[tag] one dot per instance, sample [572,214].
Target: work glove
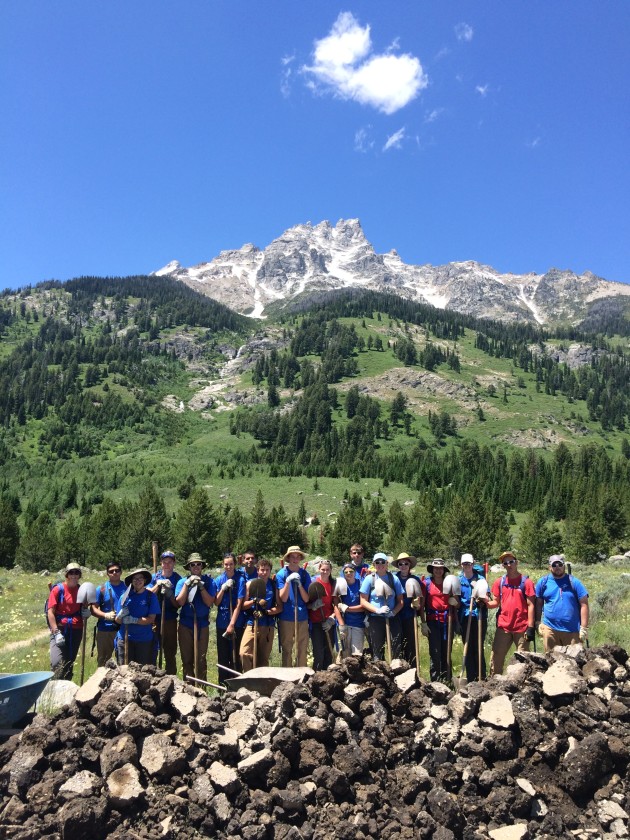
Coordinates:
[110,616]
[343,632]
[424,629]
[262,603]
[416,603]
[193,580]
[120,615]
[384,611]
[530,634]
[130,619]
[59,639]
[86,612]
[453,601]
[229,583]
[328,624]
[294,576]
[342,608]
[316,604]
[258,614]
[166,585]
[583,634]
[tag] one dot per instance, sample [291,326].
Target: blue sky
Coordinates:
[133,133]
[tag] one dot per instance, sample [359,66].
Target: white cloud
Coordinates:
[482,90]
[433,115]
[286,75]
[362,139]
[344,65]
[464,32]
[395,140]
[533,144]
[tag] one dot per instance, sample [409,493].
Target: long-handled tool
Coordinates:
[162,619]
[121,604]
[85,596]
[388,642]
[413,590]
[191,598]
[462,681]
[231,608]
[295,622]
[154,552]
[317,592]
[452,588]
[257,591]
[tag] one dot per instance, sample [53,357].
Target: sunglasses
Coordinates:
[557,565]
[114,571]
[380,562]
[195,564]
[403,564]
[75,573]
[354,551]
[509,562]
[348,571]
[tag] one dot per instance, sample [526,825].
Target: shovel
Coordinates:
[121,604]
[295,621]
[162,628]
[413,591]
[462,681]
[257,590]
[86,595]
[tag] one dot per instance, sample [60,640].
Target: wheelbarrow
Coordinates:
[18,692]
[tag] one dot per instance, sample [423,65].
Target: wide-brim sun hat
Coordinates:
[505,554]
[72,567]
[293,549]
[437,563]
[146,574]
[195,557]
[404,556]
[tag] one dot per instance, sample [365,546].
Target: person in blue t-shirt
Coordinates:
[260,617]
[349,612]
[230,594]
[293,583]
[472,622]
[195,595]
[163,583]
[382,596]
[136,617]
[250,563]
[357,558]
[562,600]
[107,605]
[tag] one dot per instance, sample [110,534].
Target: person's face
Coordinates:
[356,555]
[438,572]
[294,559]
[264,571]
[380,566]
[467,569]
[73,578]
[168,563]
[509,563]
[113,574]
[403,567]
[557,569]
[325,569]
[350,575]
[195,568]
[138,582]
[228,566]
[249,561]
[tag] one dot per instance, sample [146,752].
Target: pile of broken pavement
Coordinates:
[362,750]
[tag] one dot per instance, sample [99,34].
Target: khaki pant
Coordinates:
[187,651]
[500,646]
[552,638]
[105,646]
[286,629]
[264,646]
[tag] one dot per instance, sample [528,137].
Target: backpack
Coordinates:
[390,581]
[63,619]
[544,580]
[521,587]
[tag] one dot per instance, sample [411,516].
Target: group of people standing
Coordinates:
[148,616]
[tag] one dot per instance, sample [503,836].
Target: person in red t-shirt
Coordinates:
[65,622]
[515,596]
[322,620]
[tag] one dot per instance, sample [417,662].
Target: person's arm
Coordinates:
[584,612]
[539,609]
[367,605]
[494,599]
[97,612]
[400,602]
[208,596]
[531,611]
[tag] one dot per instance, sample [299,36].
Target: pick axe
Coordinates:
[451,587]
[316,592]
[413,590]
[340,590]
[257,592]
[86,595]
[121,604]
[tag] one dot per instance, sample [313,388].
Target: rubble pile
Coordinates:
[362,750]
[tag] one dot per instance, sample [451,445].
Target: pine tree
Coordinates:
[422,536]
[196,528]
[397,528]
[38,546]
[538,538]
[9,533]
[142,523]
[258,530]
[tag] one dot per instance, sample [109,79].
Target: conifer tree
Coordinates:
[9,534]
[196,528]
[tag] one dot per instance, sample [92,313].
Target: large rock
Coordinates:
[160,757]
[497,712]
[124,787]
[563,680]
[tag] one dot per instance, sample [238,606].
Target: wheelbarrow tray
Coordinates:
[264,680]
[18,692]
